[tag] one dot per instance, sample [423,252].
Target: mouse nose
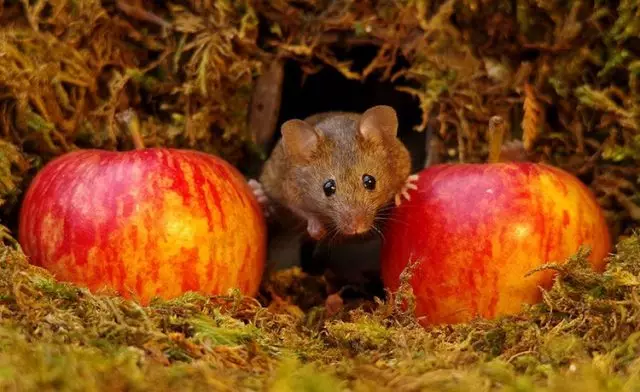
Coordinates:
[357,225]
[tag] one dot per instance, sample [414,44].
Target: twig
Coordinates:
[130,119]
[137,12]
[496,136]
[514,356]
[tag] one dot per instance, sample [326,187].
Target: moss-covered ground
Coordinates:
[584,336]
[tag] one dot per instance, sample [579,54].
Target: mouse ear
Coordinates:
[300,138]
[379,122]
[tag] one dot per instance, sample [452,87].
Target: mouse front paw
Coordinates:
[333,304]
[315,229]
[404,192]
[261,196]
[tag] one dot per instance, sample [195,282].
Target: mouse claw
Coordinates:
[404,192]
[261,196]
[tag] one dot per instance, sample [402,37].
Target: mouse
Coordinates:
[335,171]
[331,175]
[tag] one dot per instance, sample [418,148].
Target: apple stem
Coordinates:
[496,136]
[131,120]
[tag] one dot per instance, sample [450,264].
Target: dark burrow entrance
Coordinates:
[329,90]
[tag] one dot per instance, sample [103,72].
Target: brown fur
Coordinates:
[345,155]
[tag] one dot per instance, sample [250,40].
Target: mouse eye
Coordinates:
[369,182]
[329,187]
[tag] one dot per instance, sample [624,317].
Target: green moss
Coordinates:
[56,336]
[291,375]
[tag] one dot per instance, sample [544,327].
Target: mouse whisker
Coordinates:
[334,239]
[385,210]
[392,219]
[379,232]
[332,234]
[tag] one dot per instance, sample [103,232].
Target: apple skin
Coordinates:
[145,223]
[479,228]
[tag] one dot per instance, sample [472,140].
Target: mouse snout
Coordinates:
[357,224]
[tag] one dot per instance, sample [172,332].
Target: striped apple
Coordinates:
[478,229]
[145,223]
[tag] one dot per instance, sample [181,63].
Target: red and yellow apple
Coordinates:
[145,223]
[476,230]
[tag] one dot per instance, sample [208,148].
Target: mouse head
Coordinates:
[347,167]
